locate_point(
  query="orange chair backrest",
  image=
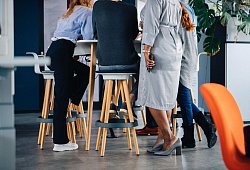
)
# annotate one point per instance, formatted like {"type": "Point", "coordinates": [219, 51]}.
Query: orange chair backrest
{"type": "Point", "coordinates": [228, 121]}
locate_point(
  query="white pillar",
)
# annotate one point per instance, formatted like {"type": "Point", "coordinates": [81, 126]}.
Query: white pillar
{"type": "Point", "coordinates": [7, 129]}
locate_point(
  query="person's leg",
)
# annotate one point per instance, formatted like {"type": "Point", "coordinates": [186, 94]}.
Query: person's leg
{"type": "Point", "coordinates": [134, 92]}
{"type": "Point", "coordinates": [151, 127]}
{"type": "Point", "coordinates": [207, 127]}
{"type": "Point", "coordinates": [79, 81]}
{"type": "Point", "coordinates": [185, 101]}
{"type": "Point", "coordinates": [61, 53]}
{"type": "Point", "coordinates": [150, 120]}
{"type": "Point", "coordinates": [162, 121]}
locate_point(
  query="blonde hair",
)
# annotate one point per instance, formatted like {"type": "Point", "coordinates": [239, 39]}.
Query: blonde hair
{"type": "Point", "coordinates": [74, 3]}
{"type": "Point", "coordinates": [186, 20]}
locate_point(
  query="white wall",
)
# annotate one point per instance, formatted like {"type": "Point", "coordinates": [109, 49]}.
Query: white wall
{"type": "Point", "coordinates": [237, 75]}
{"type": "Point", "coordinates": [53, 9]}
{"type": "Point", "coordinates": [232, 34]}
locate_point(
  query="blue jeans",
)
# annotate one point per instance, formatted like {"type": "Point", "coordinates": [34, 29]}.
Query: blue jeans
{"type": "Point", "coordinates": [188, 108]}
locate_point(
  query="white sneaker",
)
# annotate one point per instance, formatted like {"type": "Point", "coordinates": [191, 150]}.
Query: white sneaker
{"type": "Point", "coordinates": [65, 147]}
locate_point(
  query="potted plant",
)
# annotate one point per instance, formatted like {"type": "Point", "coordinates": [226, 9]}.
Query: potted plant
{"type": "Point", "coordinates": [224, 10]}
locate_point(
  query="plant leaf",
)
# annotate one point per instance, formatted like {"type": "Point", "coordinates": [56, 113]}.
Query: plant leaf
{"type": "Point", "coordinates": [206, 18]}
{"type": "Point", "coordinates": [244, 27]}
{"type": "Point", "coordinates": [225, 17]}
{"type": "Point", "coordinates": [211, 45]}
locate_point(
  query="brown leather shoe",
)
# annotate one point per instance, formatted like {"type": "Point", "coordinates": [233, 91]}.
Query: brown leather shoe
{"type": "Point", "coordinates": [147, 131]}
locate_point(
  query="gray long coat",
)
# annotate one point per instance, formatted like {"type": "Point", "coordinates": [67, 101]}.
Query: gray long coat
{"type": "Point", "coordinates": [189, 61]}
{"type": "Point", "coordinates": [158, 88]}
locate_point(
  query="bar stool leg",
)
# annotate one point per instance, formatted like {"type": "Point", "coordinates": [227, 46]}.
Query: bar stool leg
{"type": "Point", "coordinates": [44, 113]}
{"type": "Point", "coordinates": [174, 119]}
{"type": "Point", "coordinates": [78, 123]}
{"type": "Point", "coordinates": [104, 136]}
{"type": "Point", "coordinates": [127, 130]}
{"type": "Point", "coordinates": [46, 93]}
{"type": "Point", "coordinates": [68, 131]}
{"type": "Point", "coordinates": [102, 116]}
{"type": "Point", "coordinates": [83, 121]}
{"type": "Point", "coordinates": [143, 117]}
{"type": "Point", "coordinates": [130, 113]}
{"type": "Point", "coordinates": [123, 99]}
{"type": "Point", "coordinates": [72, 125]}
{"type": "Point", "coordinates": [198, 131]}
{"type": "Point", "coordinates": [117, 93]}
{"type": "Point", "coordinates": [51, 107]}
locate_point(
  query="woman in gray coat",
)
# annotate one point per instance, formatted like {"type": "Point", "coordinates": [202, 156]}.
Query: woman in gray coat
{"type": "Point", "coordinates": [159, 77]}
{"type": "Point", "coordinates": [188, 68]}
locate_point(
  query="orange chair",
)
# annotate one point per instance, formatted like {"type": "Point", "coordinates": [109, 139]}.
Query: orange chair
{"type": "Point", "coordinates": [228, 121]}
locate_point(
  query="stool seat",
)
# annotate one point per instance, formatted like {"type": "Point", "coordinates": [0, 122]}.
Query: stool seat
{"type": "Point", "coordinates": [115, 76]}
{"type": "Point", "coordinates": [118, 68]}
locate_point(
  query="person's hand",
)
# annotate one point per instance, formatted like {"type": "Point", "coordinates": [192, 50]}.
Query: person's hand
{"type": "Point", "coordinates": [149, 63]}
{"type": "Point", "coordinates": [139, 36]}
{"type": "Point", "coordinates": [141, 24]}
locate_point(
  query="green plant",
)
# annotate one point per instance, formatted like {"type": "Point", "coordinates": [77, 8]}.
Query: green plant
{"type": "Point", "coordinates": [207, 11]}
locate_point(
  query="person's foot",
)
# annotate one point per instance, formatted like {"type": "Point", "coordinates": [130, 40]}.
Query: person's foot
{"type": "Point", "coordinates": [155, 148]}
{"type": "Point", "coordinates": [174, 144]}
{"type": "Point", "coordinates": [113, 108]}
{"type": "Point", "coordinates": [211, 136]}
{"type": "Point", "coordinates": [113, 114]}
{"type": "Point", "coordinates": [168, 144]}
{"type": "Point", "coordinates": [124, 111]}
{"type": "Point", "coordinates": [65, 147]}
{"type": "Point", "coordinates": [147, 131]}
{"type": "Point", "coordinates": [123, 107]}
{"type": "Point", "coordinates": [159, 140]}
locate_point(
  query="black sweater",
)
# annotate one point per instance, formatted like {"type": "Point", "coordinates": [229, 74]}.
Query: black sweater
{"type": "Point", "coordinates": [115, 26]}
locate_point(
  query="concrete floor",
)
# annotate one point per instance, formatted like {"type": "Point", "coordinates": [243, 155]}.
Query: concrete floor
{"type": "Point", "coordinates": [117, 156]}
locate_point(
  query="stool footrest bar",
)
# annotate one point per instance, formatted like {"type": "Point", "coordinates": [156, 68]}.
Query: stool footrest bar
{"type": "Point", "coordinates": [50, 119]}
{"type": "Point", "coordinates": [120, 124]}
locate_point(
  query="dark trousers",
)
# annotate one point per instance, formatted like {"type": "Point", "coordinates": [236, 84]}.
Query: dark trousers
{"type": "Point", "coordinates": [71, 80]}
{"type": "Point", "coordinates": [151, 123]}
{"type": "Point", "coordinates": [188, 108]}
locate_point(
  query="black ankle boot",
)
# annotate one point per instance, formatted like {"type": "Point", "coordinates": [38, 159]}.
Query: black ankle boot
{"type": "Point", "coordinates": [188, 137]}
{"type": "Point", "coordinates": [208, 128]}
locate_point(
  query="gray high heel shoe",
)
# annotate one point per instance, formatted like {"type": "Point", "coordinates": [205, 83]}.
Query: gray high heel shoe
{"type": "Point", "coordinates": [156, 149]}
{"type": "Point", "coordinates": [176, 145]}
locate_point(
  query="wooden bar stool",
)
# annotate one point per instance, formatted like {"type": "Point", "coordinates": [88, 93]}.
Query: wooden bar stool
{"type": "Point", "coordinates": [176, 115]}
{"type": "Point", "coordinates": [118, 92]}
{"type": "Point", "coordinates": [46, 119]}
{"type": "Point", "coordinates": [104, 123]}
{"type": "Point", "coordinates": [135, 108]}
{"type": "Point", "coordinates": [80, 115]}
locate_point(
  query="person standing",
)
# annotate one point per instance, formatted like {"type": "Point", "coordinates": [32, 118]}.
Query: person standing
{"type": "Point", "coordinates": [189, 63]}
{"type": "Point", "coordinates": [71, 76]}
{"type": "Point", "coordinates": [159, 76]}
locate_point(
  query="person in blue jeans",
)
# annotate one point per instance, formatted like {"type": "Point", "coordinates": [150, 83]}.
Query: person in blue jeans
{"type": "Point", "coordinates": [188, 69]}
